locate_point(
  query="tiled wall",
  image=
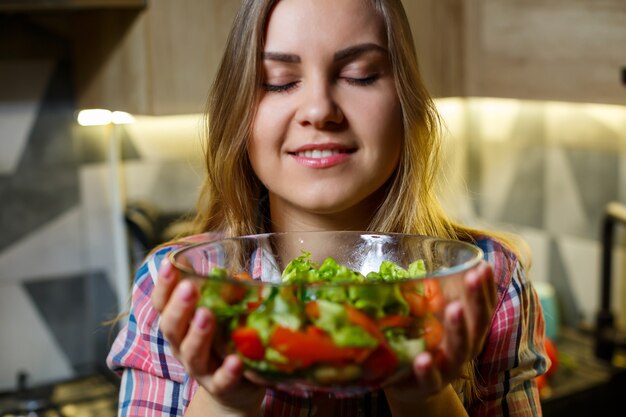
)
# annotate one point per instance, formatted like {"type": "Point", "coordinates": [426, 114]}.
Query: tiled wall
{"type": "Point", "coordinates": [58, 279]}
{"type": "Point", "coordinates": [544, 170]}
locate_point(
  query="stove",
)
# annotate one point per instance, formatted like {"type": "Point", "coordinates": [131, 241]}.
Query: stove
{"type": "Point", "coordinates": [90, 396]}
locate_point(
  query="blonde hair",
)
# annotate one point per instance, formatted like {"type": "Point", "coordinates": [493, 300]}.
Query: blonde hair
{"type": "Point", "coordinates": [230, 195]}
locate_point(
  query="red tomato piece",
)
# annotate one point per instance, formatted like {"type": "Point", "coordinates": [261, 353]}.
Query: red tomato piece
{"type": "Point", "coordinates": [232, 293]}
{"type": "Point", "coordinates": [436, 304]}
{"type": "Point", "coordinates": [380, 363]}
{"type": "Point", "coordinates": [361, 319]}
{"type": "Point", "coordinates": [311, 346]}
{"type": "Point", "coordinates": [248, 343]}
{"type": "Point", "coordinates": [433, 332]}
{"type": "Point", "coordinates": [312, 310]}
{"type": "Point", "coordinates": [253, 305]}
{"type": "Point", "coordinates": [396, 320]}
{"type": "Point", "coordinates": [434, 296]}
{"type": "Point", "coordinates": [417, 303]}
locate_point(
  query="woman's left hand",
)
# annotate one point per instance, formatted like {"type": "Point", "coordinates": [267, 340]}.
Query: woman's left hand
{"type": "Point", "coordinates": [466, 327]}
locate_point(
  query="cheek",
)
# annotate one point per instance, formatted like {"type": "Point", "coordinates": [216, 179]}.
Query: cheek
{"type": "Point", "coordinates": [269, 123]}
{"type": "Point", "coordinates": [388, 126]}
{"type": "Point", "coordinates": [261, 132]}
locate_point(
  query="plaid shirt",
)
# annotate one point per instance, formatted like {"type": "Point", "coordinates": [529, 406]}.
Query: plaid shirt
{"type": "Point", "coordinates": [154, 383]}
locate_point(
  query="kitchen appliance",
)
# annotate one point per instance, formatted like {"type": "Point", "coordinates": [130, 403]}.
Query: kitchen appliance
{"type": "Point", "coordinates": [607, 336]}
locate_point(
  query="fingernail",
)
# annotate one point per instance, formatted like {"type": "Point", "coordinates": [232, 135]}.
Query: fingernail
{"type": "Point", "coordinates": [166, 269]}
{"type": "Point", "coordinates": [231, 363]}
{"type": "Point", "coordinates": [185, 291]}
{"type": "Point", "coordinates": [201, 319]}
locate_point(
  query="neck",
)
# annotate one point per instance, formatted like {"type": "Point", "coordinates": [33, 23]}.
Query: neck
{"type": "Point", "coordinates": [286, 217]}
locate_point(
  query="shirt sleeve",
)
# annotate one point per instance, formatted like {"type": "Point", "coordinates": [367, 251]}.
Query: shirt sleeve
{"type": "Point", "coordinates": [514, 353]}
{"type": "Point", "coordinates": [154, 383]}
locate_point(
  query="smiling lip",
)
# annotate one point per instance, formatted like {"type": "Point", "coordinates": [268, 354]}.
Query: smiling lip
{"type": "Point", "coordinates": [321, 155]}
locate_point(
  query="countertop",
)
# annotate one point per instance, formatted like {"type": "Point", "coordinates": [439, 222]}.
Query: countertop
{"type": "Point", "coordinates": [582, 384]}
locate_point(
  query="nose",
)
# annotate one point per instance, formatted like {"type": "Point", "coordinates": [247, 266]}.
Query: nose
{"type": "Point", "coordinates": [318, 107]}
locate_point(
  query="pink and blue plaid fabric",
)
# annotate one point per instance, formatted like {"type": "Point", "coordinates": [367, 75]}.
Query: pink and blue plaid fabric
{"type": "Point", "coordinates": [155, 384]}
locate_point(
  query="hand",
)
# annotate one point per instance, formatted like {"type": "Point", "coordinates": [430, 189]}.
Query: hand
{"type": "Point", "coordinates": [465, 331]}
{"type": "Point", "coordinates": [189, 331]}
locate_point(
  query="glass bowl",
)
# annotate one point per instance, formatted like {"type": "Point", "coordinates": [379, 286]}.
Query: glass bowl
{"type": "Point", "coordinates": [328, 310]}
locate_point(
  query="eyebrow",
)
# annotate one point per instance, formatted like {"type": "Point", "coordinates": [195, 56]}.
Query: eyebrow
{"type": "Point", "coordinates": [349, 52]}
{"type": "Point", "coordinates": [357, 50]}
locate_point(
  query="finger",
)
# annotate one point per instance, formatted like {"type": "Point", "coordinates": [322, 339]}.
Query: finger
{"type": "Point", "coordinates": [195, 347]}
{"type": "Point", "coordinates": [456, 347]}
{"type": "Point", "coordinates": [428, 377]}
{"type": "Point", "coordinates": [165, 284]}
{"type": "Point", "coordinates": [178, 312]}
{"type": "Point", "coordinates": [226, 376]}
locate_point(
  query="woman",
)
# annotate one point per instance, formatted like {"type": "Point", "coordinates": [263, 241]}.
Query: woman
{"type": "Point", "coordinates": [318, 120]}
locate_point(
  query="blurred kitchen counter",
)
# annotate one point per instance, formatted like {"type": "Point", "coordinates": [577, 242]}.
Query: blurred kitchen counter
{"type": "Point", "coordinates": [583, 385]}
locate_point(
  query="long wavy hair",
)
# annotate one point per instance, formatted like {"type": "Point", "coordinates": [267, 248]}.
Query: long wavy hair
{"type": "Point", "coordinates": [230, 195]}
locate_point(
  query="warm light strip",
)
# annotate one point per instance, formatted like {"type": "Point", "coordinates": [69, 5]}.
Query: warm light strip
{"type": "Point", "coordinates": [101, 117]}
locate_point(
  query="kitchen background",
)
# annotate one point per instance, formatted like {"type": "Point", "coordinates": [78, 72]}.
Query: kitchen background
{"type": "Point", "coordinates": [533, 94]}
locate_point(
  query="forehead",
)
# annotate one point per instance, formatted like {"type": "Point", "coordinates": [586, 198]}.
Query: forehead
{"type": "Point", "coordinates": [295, 25]}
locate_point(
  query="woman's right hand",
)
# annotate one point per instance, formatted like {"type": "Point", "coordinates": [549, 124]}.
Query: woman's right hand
{"type": "Point", "coordinates": [189, 331]}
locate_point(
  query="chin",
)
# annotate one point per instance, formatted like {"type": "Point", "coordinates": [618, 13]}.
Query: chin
{"type": "Point", "coordinates": [329, 207]}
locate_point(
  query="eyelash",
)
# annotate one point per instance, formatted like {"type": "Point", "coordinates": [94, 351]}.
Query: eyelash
{"type": "Point", "coordinates": [283, 88]}
{"type": "Point", "coordinates": [369, 80]}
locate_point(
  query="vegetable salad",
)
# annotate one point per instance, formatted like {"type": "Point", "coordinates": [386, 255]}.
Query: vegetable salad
{"type": "Point", "coordinates": [329, 324]}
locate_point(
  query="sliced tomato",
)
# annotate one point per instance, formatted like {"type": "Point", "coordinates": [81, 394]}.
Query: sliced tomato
{"type": "Point", "coordinates": [311, 346]}
{"type": "Point", "coordinates": [312, 310]}
{"type": "Point", "coordinates": [418, 304]}
{"type": "Point", "coordinates": [434, 295]}
{"type": "Point", "coordinates": [253, 305]}
{"type": "Point", "coordinates": [433, 332]}
{"type": "Point", "coordinates": [380, 363]}
{"type": "Point", "coordinates": [361, 319]}
{"type": "Point", "coordinates": [248, 343]}
{"type": "Point", "coordinates": [232, 293]}
{"type": "Point", "coordinates": [396, 320]}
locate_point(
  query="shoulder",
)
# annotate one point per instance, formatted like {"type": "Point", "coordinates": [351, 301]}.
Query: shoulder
{"type": "Point", "coordinates": [504, 261]}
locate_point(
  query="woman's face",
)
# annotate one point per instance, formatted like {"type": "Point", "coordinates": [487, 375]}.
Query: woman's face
{"type": "Point", "coordinates": [328, 129]}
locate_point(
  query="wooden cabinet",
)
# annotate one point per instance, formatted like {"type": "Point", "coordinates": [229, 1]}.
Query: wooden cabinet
{"type": "Point", "coordinates": [438, 32]}
{"type": "Point", "coordinates": [570, 50]}
{"type": "Point", "coordinates": [162, 59]}
{"type": "Point", "coordinates": [158, 61]}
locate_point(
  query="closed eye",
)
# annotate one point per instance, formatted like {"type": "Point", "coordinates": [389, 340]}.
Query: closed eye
{"type": "Point", "coordinates": [362, 81]}
{"type": "Point", "coordinates": [279, 88]}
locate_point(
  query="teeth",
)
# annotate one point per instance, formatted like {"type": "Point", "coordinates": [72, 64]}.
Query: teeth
{"type": "Point", "coordinates": [317, 154]}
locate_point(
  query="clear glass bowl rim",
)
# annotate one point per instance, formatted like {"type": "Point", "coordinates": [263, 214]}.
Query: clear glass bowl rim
{"type": "Point", "coordinates": [465, 266]}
